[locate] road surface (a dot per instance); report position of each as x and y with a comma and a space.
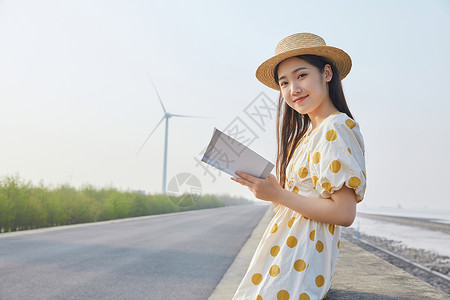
172, 256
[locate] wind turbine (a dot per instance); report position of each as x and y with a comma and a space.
166, 116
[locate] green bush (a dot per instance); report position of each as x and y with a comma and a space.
25, 206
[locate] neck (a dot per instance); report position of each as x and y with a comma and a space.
320, 113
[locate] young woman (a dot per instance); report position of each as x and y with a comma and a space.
321, 173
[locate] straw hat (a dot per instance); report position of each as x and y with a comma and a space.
298, 44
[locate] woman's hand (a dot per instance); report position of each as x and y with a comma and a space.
265, 189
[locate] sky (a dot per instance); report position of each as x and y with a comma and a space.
76, 102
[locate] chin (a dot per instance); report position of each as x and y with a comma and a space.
297, 108
301, 111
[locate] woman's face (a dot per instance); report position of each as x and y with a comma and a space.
302, 85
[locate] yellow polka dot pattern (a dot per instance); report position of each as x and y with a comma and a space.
335, 166
291, 241
314, 180
320, 280
304, 296
299, 265
327, 186
283, 295
329, 165
339, 244
316, 158
331, 135
350, 123
291, 221
275, 250
303, 172
274, 271
274, 228
354, 182
319, 246
256, 278
331, 228
334, 157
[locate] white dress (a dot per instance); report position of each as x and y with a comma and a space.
296, 256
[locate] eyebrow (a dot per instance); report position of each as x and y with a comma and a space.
295, 71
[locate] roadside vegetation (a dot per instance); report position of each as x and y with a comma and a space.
26, 206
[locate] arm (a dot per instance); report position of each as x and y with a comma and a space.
340, 209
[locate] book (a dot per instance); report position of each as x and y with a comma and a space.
229, 155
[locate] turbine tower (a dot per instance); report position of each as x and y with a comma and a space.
166, 116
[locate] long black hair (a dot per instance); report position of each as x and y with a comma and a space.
291, 125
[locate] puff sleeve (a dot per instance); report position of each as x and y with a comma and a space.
339, 158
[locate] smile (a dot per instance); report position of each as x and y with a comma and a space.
300, 99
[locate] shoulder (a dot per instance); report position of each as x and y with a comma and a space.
341, 121
343, 129
338, 157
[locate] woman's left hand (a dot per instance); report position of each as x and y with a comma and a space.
265, 189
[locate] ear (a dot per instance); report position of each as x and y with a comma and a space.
328, 73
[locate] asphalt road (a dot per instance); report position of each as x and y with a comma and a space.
172, 256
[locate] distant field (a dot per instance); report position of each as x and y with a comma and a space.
26, 206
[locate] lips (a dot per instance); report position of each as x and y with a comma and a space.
300, 99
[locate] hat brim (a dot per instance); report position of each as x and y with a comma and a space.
342, 61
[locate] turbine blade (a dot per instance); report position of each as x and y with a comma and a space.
190, 116
160, 101
150, 135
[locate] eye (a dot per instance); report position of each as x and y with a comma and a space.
283, 83
301, 76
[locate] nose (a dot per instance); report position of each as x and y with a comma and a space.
295, 89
